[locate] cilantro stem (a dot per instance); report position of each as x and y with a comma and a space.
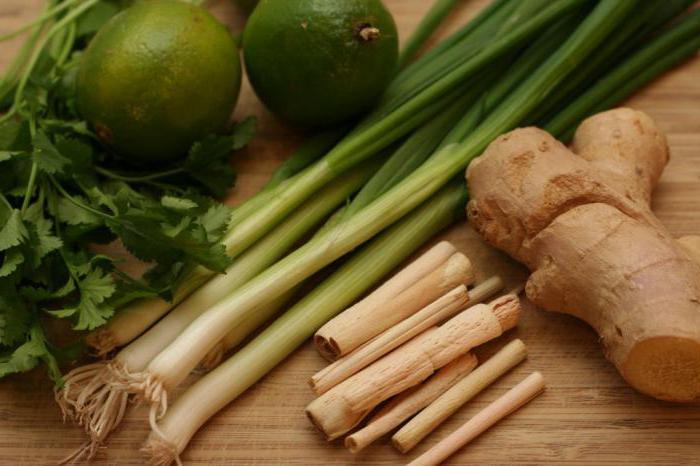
67, 47
137, 179
8, 81
76, 202
32, 175
43, 18
55, 29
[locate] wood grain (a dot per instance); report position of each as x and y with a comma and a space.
587, 416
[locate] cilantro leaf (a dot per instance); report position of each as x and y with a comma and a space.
70, 214
46, 156
216, 220
11, 261
28, 356
146, 239
208, 160
14, 135
95, 287
41, 236
77, 152
78, 127
14, 317
36, 294
13, 232
243, 132
177, 203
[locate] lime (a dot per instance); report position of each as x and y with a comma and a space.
317, 62
157, 77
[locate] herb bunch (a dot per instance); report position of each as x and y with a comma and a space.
61, 192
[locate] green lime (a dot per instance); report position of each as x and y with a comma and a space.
157, 77
318, 62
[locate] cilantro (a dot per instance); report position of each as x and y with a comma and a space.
208, 160
46, 156
11, 261
95, 18
61, 192
28, 355
95, 287
177, 203
13, 232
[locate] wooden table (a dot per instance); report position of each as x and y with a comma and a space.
588, 415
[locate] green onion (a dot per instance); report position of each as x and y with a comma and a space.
309, 152
136, 317
365, 141
170, 367
525, 64
662, 53
98, 403
447, 55
216, 389
430, 22
649, 17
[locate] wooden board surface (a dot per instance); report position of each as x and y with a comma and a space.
587, 415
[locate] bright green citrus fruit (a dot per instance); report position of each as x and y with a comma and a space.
156, 78
319, 62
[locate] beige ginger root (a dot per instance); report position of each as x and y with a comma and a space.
581, 221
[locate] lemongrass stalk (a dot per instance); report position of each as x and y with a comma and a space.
171, 367
665, 51
89, 396
427, 26
362, 271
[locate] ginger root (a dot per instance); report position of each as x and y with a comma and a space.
580, 219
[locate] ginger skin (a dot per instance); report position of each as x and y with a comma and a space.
580, 220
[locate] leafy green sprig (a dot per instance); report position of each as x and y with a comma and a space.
61, 192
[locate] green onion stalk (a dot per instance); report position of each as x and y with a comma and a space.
667, 50
137, 316
264, 211
173, 365
649, 17
89, 395
369, 265
362, 143
237, 374
427, 26
99, 404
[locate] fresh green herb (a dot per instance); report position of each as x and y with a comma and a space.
61, 192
